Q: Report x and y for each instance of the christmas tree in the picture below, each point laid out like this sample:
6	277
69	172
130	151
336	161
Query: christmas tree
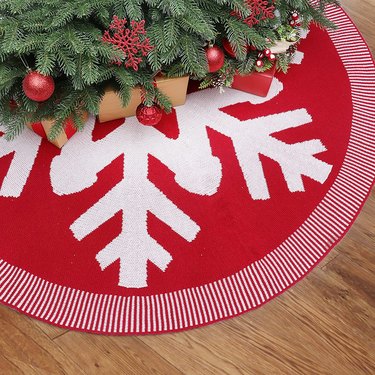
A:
57	57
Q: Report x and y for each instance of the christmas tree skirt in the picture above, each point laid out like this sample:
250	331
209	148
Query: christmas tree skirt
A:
231	200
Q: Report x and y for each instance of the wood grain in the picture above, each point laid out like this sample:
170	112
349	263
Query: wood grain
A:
105	355
323	326
26	349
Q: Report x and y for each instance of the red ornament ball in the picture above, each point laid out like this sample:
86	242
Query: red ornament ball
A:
38	87
228	48
267	52
295	16
215	58
259	63
149	115
272	57
294	23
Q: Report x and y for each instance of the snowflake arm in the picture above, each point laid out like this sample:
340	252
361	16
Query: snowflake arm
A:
25	149
134	247
134	257
253	138
134	197
98	214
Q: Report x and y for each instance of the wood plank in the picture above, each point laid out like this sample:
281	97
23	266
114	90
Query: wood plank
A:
358	245
51	331
358	280
362	13
113	355
324	325
7	367
27	349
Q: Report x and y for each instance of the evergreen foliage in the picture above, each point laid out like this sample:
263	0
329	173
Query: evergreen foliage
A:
63	39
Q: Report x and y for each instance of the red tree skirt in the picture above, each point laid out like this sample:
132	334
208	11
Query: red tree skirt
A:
229	202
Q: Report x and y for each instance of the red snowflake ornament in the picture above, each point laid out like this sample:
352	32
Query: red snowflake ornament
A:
260	11
131	41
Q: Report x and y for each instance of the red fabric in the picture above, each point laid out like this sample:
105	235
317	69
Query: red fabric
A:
229	268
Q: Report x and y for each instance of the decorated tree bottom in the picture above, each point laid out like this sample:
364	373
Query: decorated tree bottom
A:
255	83
111	107
44	127
175	88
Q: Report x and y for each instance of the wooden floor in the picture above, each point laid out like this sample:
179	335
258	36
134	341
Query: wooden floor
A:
324	325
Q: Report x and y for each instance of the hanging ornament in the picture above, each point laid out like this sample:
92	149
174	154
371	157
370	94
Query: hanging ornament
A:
228	48
295	15
215	58
260	10
259	63
130	39
295	20
267	52
293	23
38	87
149	115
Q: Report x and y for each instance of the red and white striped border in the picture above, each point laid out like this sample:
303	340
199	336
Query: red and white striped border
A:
255	284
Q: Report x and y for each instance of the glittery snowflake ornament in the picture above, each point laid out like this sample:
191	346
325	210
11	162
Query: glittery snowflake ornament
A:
131	41
260	11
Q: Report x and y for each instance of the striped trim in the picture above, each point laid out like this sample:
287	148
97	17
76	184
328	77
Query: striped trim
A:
255	284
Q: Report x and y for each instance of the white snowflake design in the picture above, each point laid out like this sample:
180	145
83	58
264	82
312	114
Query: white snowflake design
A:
196	170
189	157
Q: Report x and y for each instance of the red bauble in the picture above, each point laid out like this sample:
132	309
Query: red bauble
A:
228	48
260	63
272	57
215	58
267	52
149	115
38	87
294	23
295	16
